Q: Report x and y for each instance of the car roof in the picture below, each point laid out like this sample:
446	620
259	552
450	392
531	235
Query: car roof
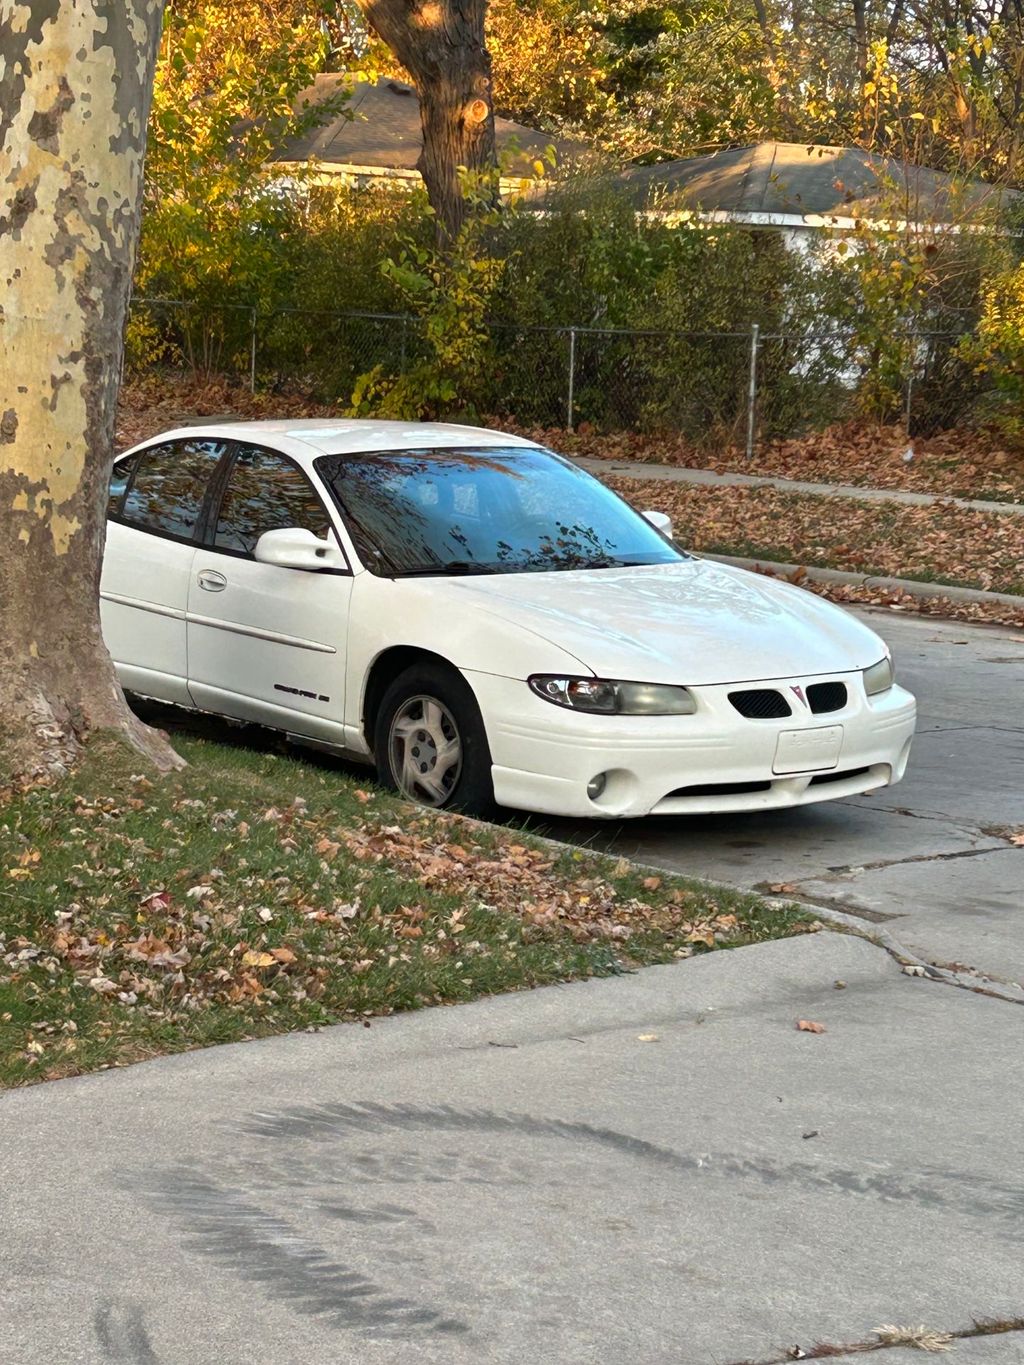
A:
307	438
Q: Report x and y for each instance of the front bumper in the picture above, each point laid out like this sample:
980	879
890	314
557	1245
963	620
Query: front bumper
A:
544	756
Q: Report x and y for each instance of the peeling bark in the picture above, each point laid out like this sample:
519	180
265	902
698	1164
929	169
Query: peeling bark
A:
441	44
75	84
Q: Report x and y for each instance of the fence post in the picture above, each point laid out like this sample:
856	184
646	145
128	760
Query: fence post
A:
252	353
909	399
571	394
755	332
405	332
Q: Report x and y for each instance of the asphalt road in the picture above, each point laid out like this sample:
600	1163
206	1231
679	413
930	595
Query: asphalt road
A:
930	857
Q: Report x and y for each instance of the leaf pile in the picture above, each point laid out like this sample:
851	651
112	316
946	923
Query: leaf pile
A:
149	406
254	893
956	463
853	594
933	544
549	890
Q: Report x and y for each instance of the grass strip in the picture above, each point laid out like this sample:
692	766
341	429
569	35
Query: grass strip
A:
255	893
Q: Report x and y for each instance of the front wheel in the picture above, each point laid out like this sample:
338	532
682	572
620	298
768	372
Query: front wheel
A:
430	743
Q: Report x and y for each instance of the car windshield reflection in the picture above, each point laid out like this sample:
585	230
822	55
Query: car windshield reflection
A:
489	510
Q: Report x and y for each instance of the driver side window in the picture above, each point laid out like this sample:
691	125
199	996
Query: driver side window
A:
266	492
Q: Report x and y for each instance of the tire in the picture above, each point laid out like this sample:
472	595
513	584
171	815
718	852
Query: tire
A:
426	710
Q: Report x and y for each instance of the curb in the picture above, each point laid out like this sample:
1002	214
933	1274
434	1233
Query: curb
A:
911	587
979	982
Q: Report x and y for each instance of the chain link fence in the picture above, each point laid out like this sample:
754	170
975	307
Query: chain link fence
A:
734	387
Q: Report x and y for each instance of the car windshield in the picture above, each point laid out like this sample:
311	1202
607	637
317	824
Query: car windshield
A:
494	509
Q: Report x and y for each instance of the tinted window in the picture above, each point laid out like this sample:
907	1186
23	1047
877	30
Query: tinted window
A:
170	482
490	510
119	480
266	492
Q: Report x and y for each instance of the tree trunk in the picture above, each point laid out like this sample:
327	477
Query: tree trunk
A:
75	83
441	44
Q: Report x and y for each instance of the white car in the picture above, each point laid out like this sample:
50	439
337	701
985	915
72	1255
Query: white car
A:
484	621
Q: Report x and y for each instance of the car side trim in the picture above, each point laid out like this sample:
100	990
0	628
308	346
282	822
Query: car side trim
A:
234	628
157	608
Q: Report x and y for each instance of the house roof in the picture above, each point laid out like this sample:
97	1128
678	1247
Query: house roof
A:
807	181
385	132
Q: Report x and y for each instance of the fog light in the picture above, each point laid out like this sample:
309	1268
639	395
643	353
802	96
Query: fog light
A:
596	786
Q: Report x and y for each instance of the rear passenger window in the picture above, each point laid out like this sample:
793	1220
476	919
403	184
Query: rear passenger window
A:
120	477
266	492
169	485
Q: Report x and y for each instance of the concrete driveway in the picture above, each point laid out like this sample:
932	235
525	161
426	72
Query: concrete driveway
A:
931	857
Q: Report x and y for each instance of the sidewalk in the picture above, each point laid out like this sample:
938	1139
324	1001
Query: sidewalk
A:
637	469
654	1169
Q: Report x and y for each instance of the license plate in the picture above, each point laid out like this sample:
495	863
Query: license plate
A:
802	751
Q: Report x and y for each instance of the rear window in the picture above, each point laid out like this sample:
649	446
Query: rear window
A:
166	491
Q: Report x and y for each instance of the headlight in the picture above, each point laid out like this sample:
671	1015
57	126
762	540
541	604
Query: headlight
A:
879	677
601	697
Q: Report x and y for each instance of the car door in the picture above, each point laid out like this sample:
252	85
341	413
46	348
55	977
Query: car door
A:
267	643
155	514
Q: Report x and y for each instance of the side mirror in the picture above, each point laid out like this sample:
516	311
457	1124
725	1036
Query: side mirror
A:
292	548
661	521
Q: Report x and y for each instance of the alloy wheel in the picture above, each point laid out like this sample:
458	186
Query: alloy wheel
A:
425	750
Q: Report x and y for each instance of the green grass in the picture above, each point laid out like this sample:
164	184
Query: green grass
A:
258	892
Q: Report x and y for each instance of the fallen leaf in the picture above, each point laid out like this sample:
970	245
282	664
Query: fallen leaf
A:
809	1026
651	883
157	901
256	959
647	1038
282	955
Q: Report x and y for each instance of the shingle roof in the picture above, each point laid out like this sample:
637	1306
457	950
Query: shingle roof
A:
794	178
385	131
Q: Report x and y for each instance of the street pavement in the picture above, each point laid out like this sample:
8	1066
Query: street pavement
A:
931	858
653	1169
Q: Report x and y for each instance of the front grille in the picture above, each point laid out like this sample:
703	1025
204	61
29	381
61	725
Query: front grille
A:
720	789
826	696
761	703
822	778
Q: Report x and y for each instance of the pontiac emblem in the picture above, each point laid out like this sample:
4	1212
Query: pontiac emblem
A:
800	694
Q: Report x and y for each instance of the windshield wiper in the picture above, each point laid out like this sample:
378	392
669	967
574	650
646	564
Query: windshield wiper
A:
455	567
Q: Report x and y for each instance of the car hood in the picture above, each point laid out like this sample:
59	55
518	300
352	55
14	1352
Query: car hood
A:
695	622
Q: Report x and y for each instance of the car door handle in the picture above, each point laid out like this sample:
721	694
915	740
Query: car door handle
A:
212	581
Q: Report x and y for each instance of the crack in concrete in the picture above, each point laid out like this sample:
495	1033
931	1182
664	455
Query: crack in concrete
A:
956	729
941	817
882	1340
967	979
844	869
